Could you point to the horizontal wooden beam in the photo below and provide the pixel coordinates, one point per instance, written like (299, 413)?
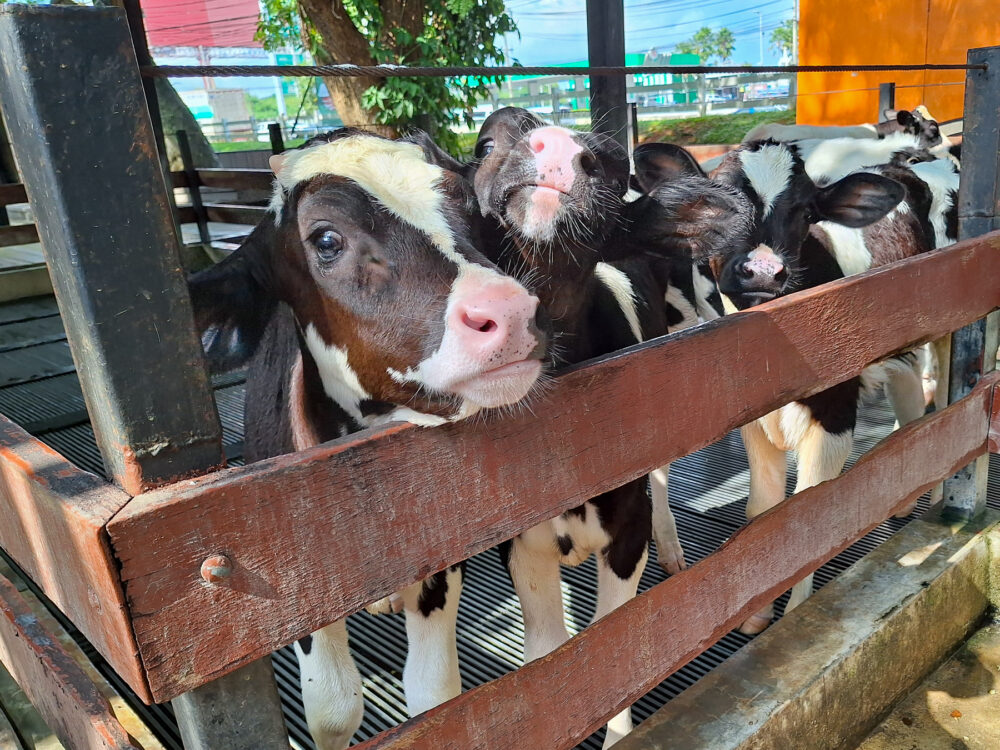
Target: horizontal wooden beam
(52, 518)
(602, 424)
(232, 179)
(64, 695)
(630, 651)
(12, 193)
(234, 213)
(18, 234)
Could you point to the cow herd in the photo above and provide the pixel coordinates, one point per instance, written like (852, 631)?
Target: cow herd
(392, 282)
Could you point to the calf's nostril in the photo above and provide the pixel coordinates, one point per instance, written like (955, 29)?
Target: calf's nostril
(588, 163)
(745, 271)
(482, 324)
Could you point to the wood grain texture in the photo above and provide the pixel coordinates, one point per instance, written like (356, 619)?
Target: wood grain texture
(63, 694)
(112, 251)
(52, 518)
(625, 654)
(318, 534)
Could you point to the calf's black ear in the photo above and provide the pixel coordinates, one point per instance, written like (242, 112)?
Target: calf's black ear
(656, 163)
(903, 116)
(231, 302)
(859, 199)
(433, 152)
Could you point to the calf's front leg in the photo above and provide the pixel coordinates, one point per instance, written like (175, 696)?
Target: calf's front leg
(331, 687)
(669, 553)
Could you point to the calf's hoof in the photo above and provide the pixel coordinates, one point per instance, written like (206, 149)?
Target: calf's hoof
(671, 558)
(756, 623)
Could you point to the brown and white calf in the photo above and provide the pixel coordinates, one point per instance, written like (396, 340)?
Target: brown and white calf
(363, 300)
(804, 234)
(602, 268)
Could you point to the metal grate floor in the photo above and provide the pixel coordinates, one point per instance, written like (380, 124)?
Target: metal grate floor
(39, 390)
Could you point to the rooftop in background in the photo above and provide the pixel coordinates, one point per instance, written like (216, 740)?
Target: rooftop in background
(201, 23)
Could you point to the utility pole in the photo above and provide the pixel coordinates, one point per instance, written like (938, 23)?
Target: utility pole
(795, 35)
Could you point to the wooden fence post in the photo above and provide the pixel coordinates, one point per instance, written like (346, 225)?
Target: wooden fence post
(193, 186)
(277, 141)
(974, 348)
(73, 103)
(886, 99)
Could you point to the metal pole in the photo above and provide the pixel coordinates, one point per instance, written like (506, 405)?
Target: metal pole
(886, 99)
(760, 25)
(633, 110)
(606, 46)
(974, 348)
(114, 264)
(194, 187)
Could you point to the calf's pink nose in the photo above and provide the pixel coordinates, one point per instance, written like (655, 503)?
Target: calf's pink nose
(554, 149)
(494, 320)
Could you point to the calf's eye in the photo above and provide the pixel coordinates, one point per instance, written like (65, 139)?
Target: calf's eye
(328, 244)
(484, 148)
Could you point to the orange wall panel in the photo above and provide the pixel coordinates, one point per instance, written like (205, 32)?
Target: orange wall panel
(887, 32)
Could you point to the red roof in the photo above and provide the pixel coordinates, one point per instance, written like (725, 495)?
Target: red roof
(200, 23)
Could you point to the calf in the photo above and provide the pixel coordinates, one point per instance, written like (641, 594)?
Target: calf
(602, 267)
(362, 299)
(917, 123)
(804, 235)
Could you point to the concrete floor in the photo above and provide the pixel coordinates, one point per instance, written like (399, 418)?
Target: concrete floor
(956, 708)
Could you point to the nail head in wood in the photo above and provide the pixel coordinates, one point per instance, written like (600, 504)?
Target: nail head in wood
(216, 568)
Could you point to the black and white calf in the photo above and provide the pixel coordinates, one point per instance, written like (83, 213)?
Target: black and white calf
(363, 300)
(803, 235)
(602, 267)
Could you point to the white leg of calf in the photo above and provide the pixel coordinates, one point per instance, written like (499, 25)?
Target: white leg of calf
(905, 390)
(431, 676)
(613, 592)
(768, 467)
(669, 554)
(821, 456)
(331, 687)
(534, 569)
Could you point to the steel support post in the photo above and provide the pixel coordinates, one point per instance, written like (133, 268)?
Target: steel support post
(606, 46)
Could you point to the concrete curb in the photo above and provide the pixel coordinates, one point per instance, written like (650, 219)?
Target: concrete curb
(822, 677)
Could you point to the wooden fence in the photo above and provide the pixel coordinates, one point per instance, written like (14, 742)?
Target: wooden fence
(123, 560)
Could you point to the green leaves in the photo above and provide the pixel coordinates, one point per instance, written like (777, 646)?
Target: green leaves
(455, 32)
(708, 44)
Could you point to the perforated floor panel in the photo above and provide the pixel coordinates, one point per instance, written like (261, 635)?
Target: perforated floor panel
(39, 390)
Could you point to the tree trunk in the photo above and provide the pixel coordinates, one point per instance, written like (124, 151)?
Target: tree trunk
(343, 43)
(176, 116)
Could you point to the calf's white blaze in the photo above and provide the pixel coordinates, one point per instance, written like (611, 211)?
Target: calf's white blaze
(769, 170)
(395, 173)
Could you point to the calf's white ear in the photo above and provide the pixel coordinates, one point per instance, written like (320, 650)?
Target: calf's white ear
(656, 163)
(277, 161)
(858, 200)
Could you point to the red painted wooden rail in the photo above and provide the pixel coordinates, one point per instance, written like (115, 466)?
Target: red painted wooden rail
(602, 424)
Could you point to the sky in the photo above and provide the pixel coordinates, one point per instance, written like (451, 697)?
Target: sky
(555, 31)
(551, 31)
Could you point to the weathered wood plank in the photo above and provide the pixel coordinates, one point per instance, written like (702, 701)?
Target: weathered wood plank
(603, 424)
(66, 698)
(114, 261)
(52, 518)
(234, 213)
(12, 193)
(237, 179)
(18, 234)
(652, 636)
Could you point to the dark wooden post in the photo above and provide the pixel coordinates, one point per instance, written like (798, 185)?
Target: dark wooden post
(277, 141)
(886, 99)
(194, 187)
(73, 103)
(633, 116)
(974, 348)
(606, 46)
